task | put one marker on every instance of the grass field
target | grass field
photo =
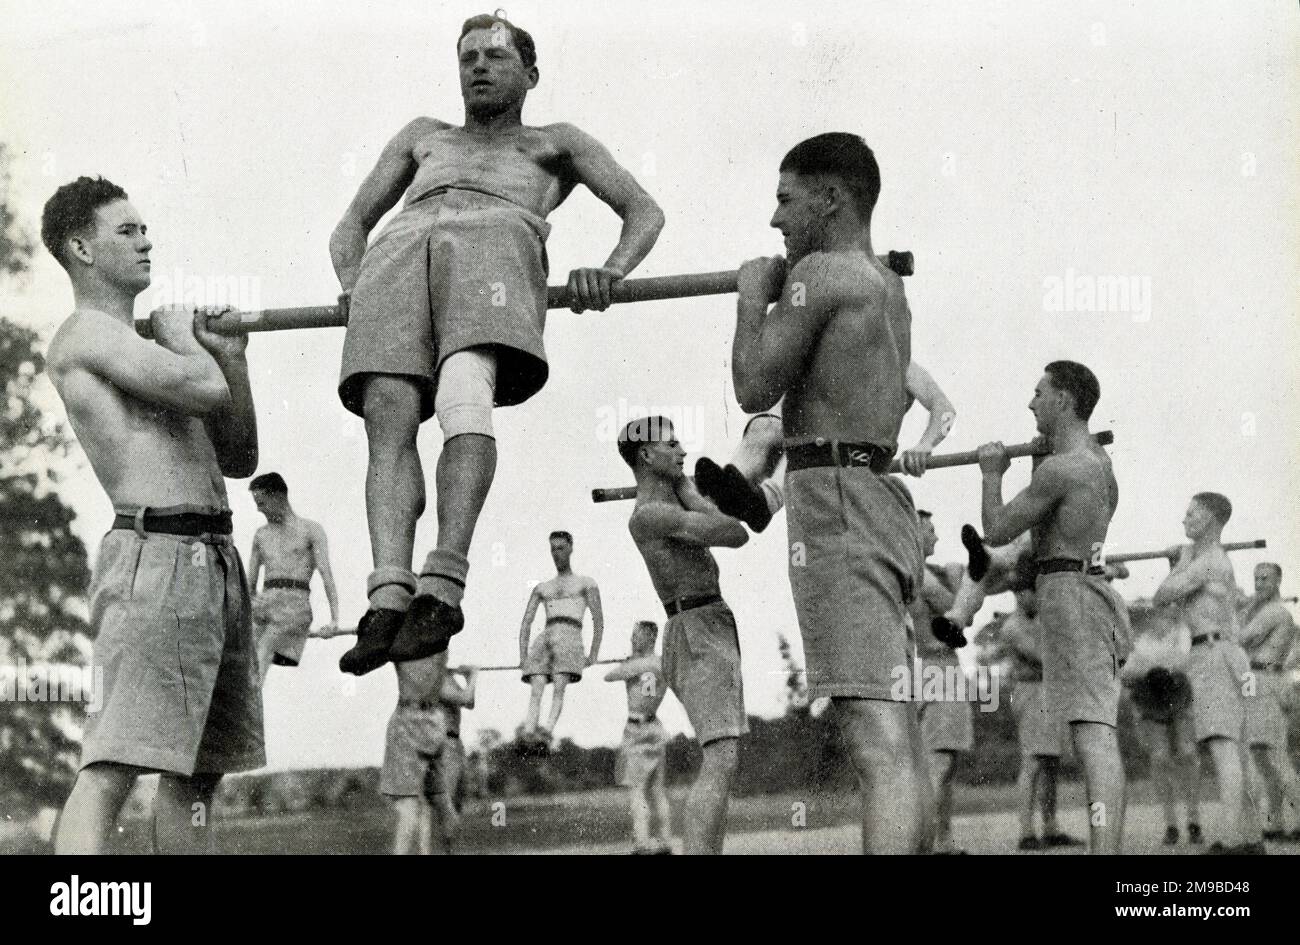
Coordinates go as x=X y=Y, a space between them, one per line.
x=598 y=822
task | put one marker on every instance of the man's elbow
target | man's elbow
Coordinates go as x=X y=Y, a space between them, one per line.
x=751 y=395
x=239 y=463
x=736 y=536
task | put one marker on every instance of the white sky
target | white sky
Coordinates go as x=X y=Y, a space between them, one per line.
x=1019 y=143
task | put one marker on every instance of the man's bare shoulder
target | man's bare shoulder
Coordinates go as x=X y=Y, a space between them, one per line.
x=838 y=278
x=417 y=129
x=79 y=335
x=565 y=135
x=651 y=519
x=587 y=583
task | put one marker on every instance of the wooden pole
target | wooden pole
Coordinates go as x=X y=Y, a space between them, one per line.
x=1127 y=556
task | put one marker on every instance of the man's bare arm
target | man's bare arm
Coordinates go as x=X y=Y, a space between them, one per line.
x=526 y=628
x=378 y=193
x=453 y=693
x=1187 y=577
x=1003 y=523
x=770 y=347
x=633 y=668
x=254 y=562
x=188 y=381
x=709 y=529
x=594 y=166
x=941 y=416
x=233 y=428
x=320 y=553
x=592 y=593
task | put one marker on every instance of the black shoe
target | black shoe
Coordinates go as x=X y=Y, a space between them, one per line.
x=1275 y=835
x=1171 y=836
x=1061 y=840
x=732 y=493
x=1241 y=849
x=429 y=626
x=1029 y=843
x=947 y=632
x=1193 y=832
x=375 y=635
x=977 y=555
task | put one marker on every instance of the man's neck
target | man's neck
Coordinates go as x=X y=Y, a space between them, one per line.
x=284 y=519
x=484 y=123
x=1069 y=436
x=846 y=234
x=566 y=571
x=112 y=301
x=656 y=488
x=1206 y=542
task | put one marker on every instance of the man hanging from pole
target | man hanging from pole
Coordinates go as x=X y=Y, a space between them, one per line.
x=446 y=311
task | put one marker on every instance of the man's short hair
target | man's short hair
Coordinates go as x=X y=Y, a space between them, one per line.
x=645 y=628
x=562 y=535
x=269 y=482
x=1216 y=504
x=843 y=156
x=1272 y=565
x=1077 y=381
x=486 y=21
x=72 y=210
x=639 y=431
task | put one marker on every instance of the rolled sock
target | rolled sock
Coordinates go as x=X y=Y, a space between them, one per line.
x=443 y=576
x=390 y=588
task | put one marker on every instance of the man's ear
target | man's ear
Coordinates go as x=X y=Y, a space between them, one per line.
x=78 y=247
x=533 y=76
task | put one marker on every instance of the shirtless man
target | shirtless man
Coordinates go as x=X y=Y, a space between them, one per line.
x=643 y=755
x=446 y=310
x=556 y=655
x=444 y=786
x=1201 y=582
x=750 y=486
x=292 y=549
x=418 y=754
x=161 y=423
x=947 y=727
x=836 y=345
x=1268 y=636
x=1068 y=504
x=1038 y=726
x=1161 y=694
x=673 y=528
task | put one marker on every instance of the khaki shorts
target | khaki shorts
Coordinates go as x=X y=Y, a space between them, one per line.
x=1265 y=718
x=1086 y=637
x=947 y=726
x=855 y=564
x=281 y=622
x=446 y=774
x=174 y=639
x=1218 y=672
x=1038 y=727
x=454 y=270
x=416 y=739
x=642 y=753
x=557 y=651
x=701 y=659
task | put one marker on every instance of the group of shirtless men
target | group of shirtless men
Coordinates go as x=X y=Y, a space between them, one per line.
x=446 y=308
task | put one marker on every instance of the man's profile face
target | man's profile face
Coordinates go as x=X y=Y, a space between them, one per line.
x=800 y=214
x=665 y=456
x=118 y=246
x=492 y=76
x=561 y=552
x=1047 y=405
x=270 y=504
x=929 y=539
x=1267 y=583
x=1197 y=521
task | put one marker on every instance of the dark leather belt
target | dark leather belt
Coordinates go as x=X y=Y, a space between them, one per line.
x=573 y=620
x=1266 y=667
x=839 y=453
x=424 y=705
x=453 y=734
x=186 y=524
x=1200 y=638
x=289 y=584
x=682 y=604
x=1067 y=565
x=640 y=719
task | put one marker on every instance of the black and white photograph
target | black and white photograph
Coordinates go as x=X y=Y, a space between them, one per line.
x=650 y=428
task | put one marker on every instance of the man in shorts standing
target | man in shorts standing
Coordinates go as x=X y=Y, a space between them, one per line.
x=827 y=331
x=642 y=757
x=292 y=549
x=674 y=528
x=446 y=312
x=162 y=423
x=1068 y=504
x=556 y=656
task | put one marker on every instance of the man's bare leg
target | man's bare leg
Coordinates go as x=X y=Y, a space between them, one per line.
x=706 y=805
x=658 y=790
x=182 y=813
x=1049 y=769
x=943 y=769
x=1164 y=772
x=640 y=817
x=1230 y=772
x=559 y=682
x=406 y=835
x=881 y=738
x=538 y=684
x=1098 y=750
x=91 y=811
x=1026 y=782
x=466 y=468
x=425 y=832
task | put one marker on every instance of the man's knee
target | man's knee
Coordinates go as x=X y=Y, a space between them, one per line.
x=466 y=393
x=721 y=757
x=391 y=407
